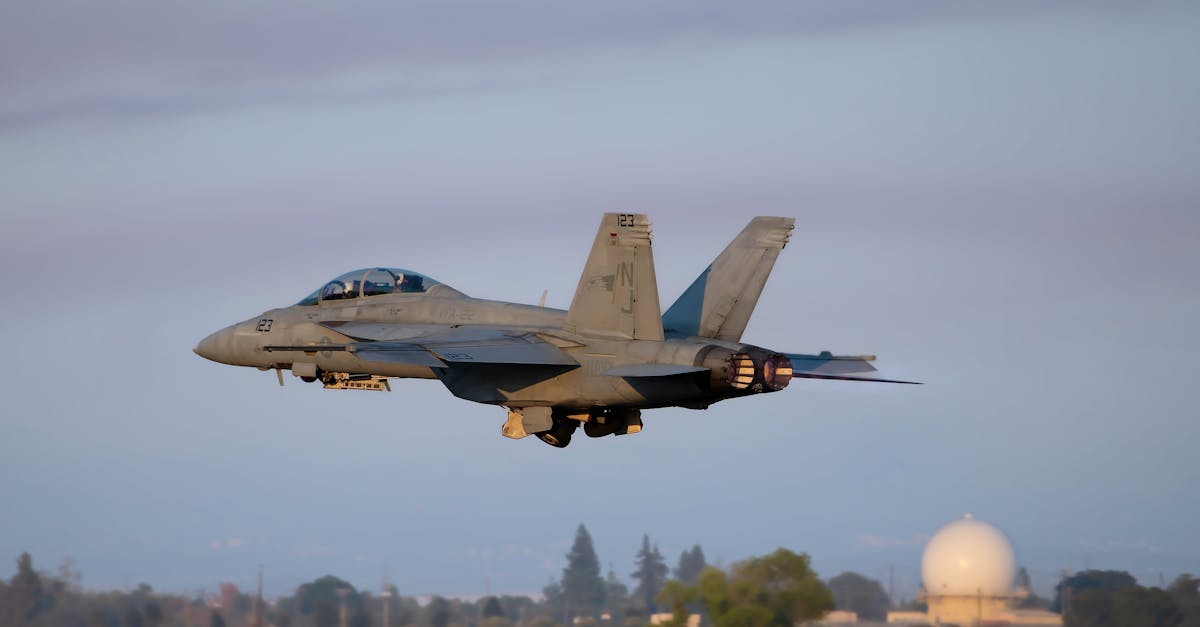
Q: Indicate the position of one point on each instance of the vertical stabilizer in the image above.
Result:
(618, 293)
(719, 302)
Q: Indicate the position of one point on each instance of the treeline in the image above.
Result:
(773, 590)
(779, 589)
(1113, 597)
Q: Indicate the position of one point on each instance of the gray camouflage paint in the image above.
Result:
(607, 355)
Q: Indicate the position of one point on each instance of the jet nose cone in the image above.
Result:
(210, 347)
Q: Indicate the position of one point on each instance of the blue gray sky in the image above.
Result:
(998, 199)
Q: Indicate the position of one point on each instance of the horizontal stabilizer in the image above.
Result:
(828, 363)
(838, 377)
(651, 370)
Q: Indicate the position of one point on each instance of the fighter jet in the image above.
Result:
(597, 364)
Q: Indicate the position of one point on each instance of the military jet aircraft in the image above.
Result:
(597, 364)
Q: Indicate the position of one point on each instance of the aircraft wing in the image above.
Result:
(453, 344)
(826, 365)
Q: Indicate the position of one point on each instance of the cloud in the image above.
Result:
(876, 541)
(508, 553)
(314, 550)
(1140, 545)
(228, 544)
(114, 60)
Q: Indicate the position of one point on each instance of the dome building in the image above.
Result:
(968, 572)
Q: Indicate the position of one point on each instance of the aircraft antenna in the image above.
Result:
(542, 303)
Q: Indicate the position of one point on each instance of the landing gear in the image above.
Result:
(559, 435)
(555, 427)
(595, 429)
(613, 422)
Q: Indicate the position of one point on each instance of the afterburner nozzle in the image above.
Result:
(777, 372)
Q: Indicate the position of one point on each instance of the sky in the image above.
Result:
(1001, 200)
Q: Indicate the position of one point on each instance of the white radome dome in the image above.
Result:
(969, 557)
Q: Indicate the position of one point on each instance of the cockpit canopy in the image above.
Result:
(371, 282)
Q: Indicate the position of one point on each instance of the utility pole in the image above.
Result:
(891, 585)
(342, 592)
(385, 597)
(258, 600)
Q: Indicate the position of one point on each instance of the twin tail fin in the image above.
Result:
(719, 302)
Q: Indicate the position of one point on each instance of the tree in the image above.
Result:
(1106, 580)
(691, 562)
(1145, 607)
(1030, 598)
(1185, 591)
(29, 596)
(777, 590)
(788, 585)
(133, 617)
(582, 587)
(437, 613)
(676, 595)
(650, 575)
(216, 620)
(1133, 606)
(491, 608)
(616, 596)
(861, 595)
(325, 589)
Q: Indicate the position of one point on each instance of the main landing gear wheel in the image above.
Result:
(559, 435)
(595, 429)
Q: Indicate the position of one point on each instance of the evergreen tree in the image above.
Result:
(650, 575)
(582, 587)
(691, 562)
(27, 592)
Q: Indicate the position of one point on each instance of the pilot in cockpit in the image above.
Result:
(412, 283)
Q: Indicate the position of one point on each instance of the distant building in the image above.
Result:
(838, 617)
(229, 593)
(907, 618)
(693, 620)
(968, 570)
